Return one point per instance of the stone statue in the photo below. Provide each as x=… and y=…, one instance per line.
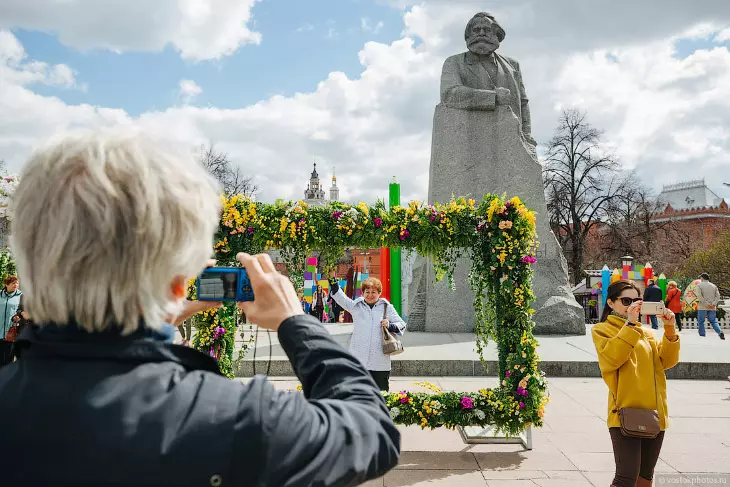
x=482, y=143
x=481, y=79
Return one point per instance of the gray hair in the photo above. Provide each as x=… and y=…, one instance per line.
x=104, y=222
x=501, y=34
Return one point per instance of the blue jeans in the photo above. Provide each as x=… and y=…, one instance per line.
x=654, y=322
x=712, y=316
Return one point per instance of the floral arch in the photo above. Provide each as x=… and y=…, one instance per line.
x=497, y=234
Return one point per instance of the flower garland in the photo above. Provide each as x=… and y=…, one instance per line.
x=497, y=234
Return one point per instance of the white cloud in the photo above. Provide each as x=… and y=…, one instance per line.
x=723, y=36
x=189, y=89
x=15, y=68
x=305, y=28
x=666, y=116
x=367, y=27
x=332, y=33
x=199, y=29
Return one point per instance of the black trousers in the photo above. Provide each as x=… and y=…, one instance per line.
x=6, y=349
x=381, y=378
x=635, y=457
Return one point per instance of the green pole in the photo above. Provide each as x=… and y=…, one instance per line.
x=395, y=277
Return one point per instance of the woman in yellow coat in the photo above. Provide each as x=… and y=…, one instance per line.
x=632, y=363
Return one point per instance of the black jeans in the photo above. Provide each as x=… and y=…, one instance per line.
x=634, y=457
x=381, y=378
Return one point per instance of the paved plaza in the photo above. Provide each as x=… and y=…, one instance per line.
x=573, y=449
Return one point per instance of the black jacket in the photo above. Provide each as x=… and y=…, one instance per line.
x=100, y=409
x=653, y=294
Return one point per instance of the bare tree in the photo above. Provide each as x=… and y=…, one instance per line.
x=581, y=179
x=631, y=228
x=231, y=178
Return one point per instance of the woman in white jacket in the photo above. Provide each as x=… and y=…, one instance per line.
x=367, y=336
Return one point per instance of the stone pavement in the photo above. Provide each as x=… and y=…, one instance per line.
x=454, y=354
x=573, y=449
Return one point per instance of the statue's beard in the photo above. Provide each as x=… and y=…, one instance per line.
x=483, y=45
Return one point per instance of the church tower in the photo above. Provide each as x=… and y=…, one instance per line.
x=314, y=194
x=334, y=190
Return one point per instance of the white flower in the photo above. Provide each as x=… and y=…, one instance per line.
x=394, y=412
x=480, y=414
x=436, y=405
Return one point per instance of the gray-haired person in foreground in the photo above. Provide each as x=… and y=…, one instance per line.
x=108, y=228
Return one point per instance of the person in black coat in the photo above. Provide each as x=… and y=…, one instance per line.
x=98, y=397
x=653, y=294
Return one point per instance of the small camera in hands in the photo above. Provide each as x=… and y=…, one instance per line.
x=224, y=284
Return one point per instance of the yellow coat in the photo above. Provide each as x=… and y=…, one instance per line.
x=629, y=367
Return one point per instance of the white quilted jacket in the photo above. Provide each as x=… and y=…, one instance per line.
x=366, y=343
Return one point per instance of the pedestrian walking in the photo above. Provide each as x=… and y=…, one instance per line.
x=653, y=294
x=708, y=296
x=674, y=302
x=9, y=302
x=632, y=362
x=367, y=335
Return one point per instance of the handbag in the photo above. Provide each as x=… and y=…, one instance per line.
x=391, y=345
x=639, y=422
x=12, y=334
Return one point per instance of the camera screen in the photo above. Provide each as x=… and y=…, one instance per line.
x=218, y=285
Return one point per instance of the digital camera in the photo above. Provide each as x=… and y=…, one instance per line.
x=652, y=308
x=224, y=284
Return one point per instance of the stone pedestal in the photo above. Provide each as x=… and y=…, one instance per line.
x=475, y=152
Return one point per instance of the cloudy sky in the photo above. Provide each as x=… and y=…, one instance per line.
x=352, y=84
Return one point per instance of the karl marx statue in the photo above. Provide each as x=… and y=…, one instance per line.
x=482, y=79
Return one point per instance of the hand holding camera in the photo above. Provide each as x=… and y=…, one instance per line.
x=276, y=299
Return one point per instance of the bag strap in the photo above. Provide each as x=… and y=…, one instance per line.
x=385, y=310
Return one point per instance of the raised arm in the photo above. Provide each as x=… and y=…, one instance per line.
x=339, y=431
x=343, y=300
x=614, y=351
x=455, y=94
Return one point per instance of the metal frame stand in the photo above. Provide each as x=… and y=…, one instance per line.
x=486, y=435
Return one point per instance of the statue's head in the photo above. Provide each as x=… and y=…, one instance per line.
x=483, y=34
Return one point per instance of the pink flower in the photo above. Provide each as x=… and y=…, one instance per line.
x=528, y=259
x=378, y=222
x=404, y=234
x=336, y=215
x=250, y=230
x=403, y=400
x=432, y=217
x=507, y=374
x=522, y=405
x=466, y=402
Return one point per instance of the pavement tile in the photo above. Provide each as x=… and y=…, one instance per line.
x=530, y=460
x=577, y=482
x=410, y=460
x=413, y=438
x=688, y=443
x=374, y=483
x=511, y=483
x=564, y=474
x=434, y=478
x=702, y=461
x=600, y=479
x=580, y=424
x=580, y=442
x=521, y=474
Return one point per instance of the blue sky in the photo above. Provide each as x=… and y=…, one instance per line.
x=302, y=43
x=657, y=82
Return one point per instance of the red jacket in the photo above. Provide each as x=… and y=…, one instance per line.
x=673, y=301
